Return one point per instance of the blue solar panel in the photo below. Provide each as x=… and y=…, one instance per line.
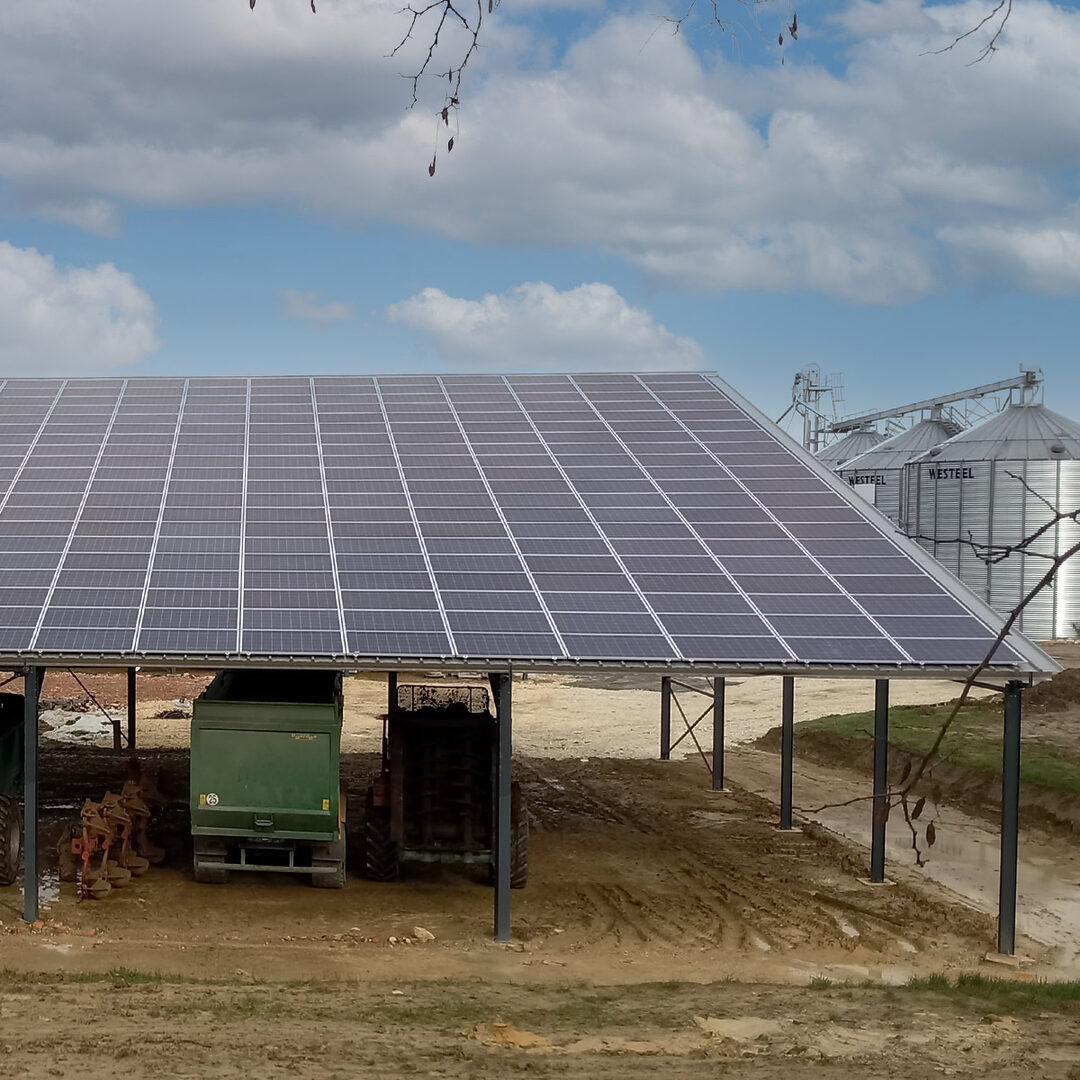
x=552, y=519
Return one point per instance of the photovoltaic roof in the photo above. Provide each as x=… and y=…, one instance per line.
x=531, y=519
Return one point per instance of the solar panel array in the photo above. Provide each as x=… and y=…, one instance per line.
x=544, y=518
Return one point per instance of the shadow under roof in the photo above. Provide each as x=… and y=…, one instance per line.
x=482, y=521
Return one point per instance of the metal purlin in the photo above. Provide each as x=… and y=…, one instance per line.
x=160, y=518
x=329, y=521
x=685, y=522
x=78, y=517
x=416, y=521
x=777, y=522
x=502, y=518
x=243, y=522
x=596, y=525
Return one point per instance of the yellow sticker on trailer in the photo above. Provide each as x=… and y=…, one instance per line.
x=326, y=804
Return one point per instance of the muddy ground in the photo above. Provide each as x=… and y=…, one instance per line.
x=476, y=1029
x=664, y=927
x=637, y=872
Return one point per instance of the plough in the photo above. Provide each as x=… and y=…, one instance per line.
x=111, y=844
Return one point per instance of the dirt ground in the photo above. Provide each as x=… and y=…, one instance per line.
x=476, y=1029
x=637, y=872
x=664, y=927
x=554, y=715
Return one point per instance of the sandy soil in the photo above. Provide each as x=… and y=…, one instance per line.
x=662, y=928
x=637, y=872
x=474, y=1029
x=554, y=715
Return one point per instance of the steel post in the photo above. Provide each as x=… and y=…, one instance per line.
x=1010, y=818
x=881, y=781
x=787, y=751
x=665, y=718
x=31, y=692
x=131, y=708
x=391, y=692
x=502, y=686
x=718, y=735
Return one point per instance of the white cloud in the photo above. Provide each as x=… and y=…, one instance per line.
x=535, y=325
x=56, y=321
x=1038, y=258
x=93, y=215
x=872, y=18
x=310, y=307
x=859, y=183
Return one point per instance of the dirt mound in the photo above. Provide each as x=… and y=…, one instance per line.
x=1062, y=692
x=943, y=782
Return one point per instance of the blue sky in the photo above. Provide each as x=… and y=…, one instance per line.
x=215, y=190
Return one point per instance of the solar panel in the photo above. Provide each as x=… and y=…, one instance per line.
x=545, y=519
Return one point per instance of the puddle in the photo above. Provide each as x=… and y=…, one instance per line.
x=48, y=888
x=965, y=859
x=80, y=729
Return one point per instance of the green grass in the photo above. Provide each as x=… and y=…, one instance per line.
x=10, y=976
x=973, y=741
x=1007, y=994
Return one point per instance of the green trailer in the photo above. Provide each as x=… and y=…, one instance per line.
x=11, y=786
x=266, y=775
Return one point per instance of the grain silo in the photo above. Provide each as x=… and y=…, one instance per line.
x=994, y=485
x=878, y=474
x=850, y=446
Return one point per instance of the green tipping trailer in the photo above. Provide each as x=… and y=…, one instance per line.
x=11, y=786
x=266, y=776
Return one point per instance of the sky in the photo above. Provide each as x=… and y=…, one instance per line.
x=199, y=188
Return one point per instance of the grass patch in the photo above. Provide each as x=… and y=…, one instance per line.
x=1006, y=994
x=973, y=741
x=10, y=976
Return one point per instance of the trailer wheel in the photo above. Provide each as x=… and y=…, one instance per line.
x=380, y=851
x=206, y=871
x=10, y=839
x=519, y=838
x=332, y=855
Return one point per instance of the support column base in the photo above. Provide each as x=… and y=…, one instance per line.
x=780, y=828
x=876, y=884
x=1008, y=960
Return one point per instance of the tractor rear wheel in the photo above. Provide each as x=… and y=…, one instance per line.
x=329, y=855
x=10, y=839
x=519, y=838
x=380, y=851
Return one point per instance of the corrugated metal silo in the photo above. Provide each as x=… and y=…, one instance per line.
x=850, y=446
x=878, y=474
x=995, y=484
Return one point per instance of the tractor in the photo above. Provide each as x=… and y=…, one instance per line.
x=11, y=786
x=433, y=800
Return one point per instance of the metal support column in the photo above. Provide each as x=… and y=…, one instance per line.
x=718, y=686
x=665, y=718
x=787, y=751
x=131, y=708
x=881, y=781
x=31, y=692
x=391, y=692
x=502, y=688
x=1010, y=818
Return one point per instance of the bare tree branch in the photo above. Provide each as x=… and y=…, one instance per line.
x=1001, y=11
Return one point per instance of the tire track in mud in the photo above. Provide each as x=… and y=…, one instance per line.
x=724, y=878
